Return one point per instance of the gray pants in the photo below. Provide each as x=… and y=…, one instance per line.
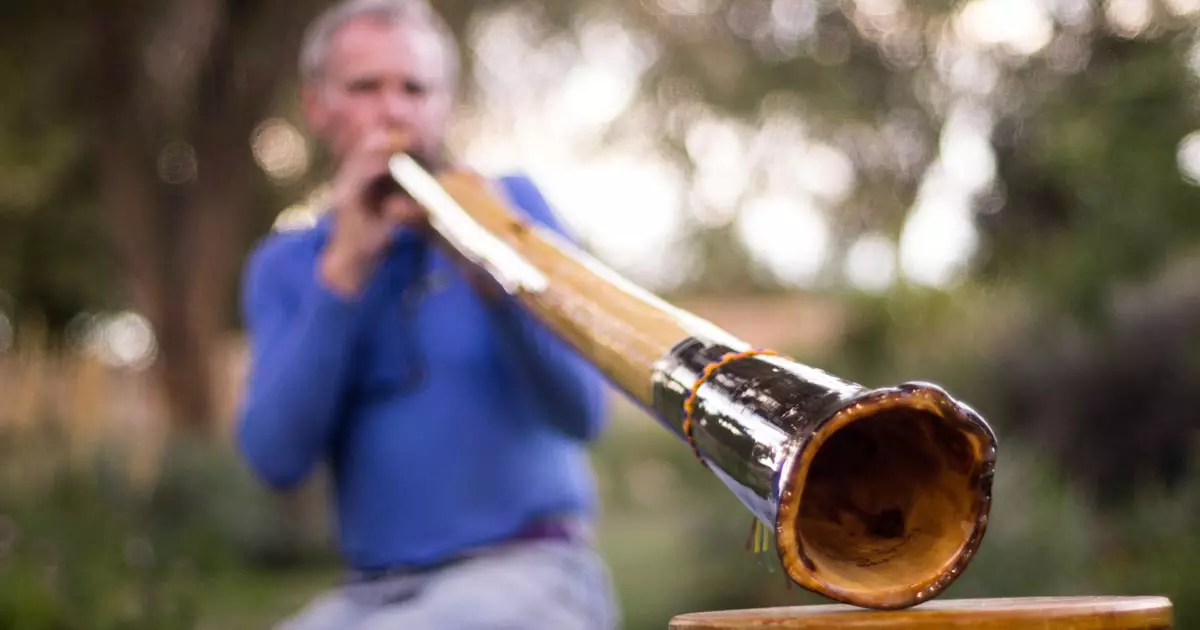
x=526, y=586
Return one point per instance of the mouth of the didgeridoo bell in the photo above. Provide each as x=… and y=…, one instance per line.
x=888, y=501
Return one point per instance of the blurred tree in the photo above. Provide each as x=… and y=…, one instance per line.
x=1093, y=194
x=136, y=118
x=1060, y=136
x=131, y=142
x=1099, y=227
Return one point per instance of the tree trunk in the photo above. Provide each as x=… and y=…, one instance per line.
x=178, y=174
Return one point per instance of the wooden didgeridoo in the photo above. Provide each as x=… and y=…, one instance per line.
x=877, y=498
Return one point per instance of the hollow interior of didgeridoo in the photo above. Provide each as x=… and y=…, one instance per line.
x=887, y=504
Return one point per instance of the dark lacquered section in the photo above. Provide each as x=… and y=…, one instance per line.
x=750, y=415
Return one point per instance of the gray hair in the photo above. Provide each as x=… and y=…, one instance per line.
x=314, y=52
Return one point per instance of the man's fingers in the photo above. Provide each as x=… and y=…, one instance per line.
x=400, y=209
x=364, y=186
x=379, y=192
x=369, y=159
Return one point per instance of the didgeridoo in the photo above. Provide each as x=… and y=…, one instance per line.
x=877, y=498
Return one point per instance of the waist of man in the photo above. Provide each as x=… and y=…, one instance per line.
x=566, y=528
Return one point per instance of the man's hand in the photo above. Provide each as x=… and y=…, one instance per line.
x=367, y=207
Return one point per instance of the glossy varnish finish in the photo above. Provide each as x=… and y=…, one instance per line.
x=877, y=498
x=1030, y=613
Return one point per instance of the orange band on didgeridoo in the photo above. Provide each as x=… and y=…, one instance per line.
x=689, y=405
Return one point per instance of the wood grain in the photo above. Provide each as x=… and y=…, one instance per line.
x=1022, y=613
x=619, y=327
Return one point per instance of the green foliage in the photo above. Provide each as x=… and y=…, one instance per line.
x=1041, y=538
x=1109, y=404
x=1154, y=549
x=1093, y=194
x=79, y=552
x=83, y=546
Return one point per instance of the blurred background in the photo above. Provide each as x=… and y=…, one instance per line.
x=1002, y=196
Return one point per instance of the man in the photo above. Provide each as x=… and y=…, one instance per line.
x=454, y=425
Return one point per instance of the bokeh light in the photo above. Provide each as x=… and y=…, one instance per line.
x=1193, y=57
x=720, y=151
x=177, y=163
x=689, y=8
x=280, y=150
x=1188, y=157
x=1020, y=27
x=630, y=226
x=871, y=263
x=939, y=236
x=121, y=340
x=825, y=172
x=965, y=150
x=129, y=340
x=1183, y=8
x=1128, y=18
x=788, y=235
x=7, y=334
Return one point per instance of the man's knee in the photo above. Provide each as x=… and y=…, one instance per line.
x=538, y=587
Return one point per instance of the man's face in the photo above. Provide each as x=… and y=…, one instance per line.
x=380, y=75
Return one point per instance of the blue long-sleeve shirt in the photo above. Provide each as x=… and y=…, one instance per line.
x=448, y=421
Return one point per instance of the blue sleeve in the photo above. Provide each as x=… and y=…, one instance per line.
x=572, y=391
x=300, y=337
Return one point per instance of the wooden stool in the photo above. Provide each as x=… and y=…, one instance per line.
x=1021, y=613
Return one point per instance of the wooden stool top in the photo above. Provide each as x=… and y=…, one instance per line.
x=1040, y=613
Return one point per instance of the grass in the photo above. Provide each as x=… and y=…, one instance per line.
x=257, y=600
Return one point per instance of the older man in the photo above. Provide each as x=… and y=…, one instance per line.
x=455, y=427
